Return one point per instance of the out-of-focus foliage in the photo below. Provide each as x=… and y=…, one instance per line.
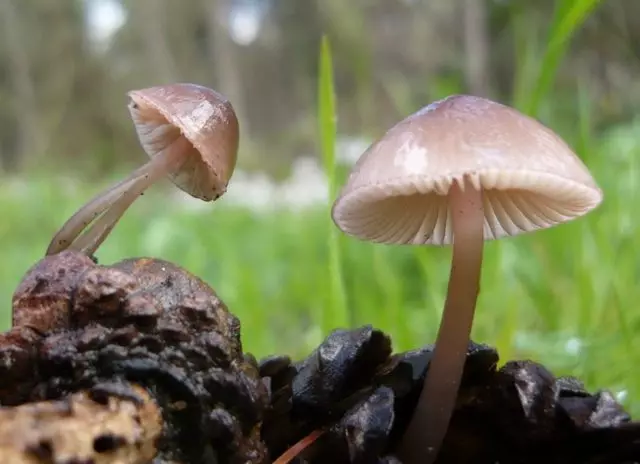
x=62, y=90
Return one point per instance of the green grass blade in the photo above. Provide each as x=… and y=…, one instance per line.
x=526, y=53
x=327, y=114
x=336, y=313
x=569, y=16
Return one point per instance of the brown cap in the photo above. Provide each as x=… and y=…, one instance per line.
x=205, y=118
x=531, y=179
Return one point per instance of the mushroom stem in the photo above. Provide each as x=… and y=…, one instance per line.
x=113, y=202
x=433, y=412
x=95, y=235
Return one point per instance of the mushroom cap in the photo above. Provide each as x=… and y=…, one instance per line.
x=397, y=192
x=205, y=118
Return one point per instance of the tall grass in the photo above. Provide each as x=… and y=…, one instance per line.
x=568, y=17
x=565, y=296
x=335, y=313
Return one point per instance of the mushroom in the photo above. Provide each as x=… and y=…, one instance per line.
x=190, y=134
x=460, y=171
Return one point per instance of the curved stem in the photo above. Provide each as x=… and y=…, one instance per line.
x=428, y=426
x=118, y=196
x=95, y=235
x=88, y=212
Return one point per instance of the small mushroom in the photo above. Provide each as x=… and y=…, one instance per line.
x=460, y=171
x=191, y=135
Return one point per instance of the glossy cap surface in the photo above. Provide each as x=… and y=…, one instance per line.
x=398, y=190
x=205, y=118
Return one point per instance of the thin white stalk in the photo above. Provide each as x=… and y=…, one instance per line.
x=113, y=202
x=95, y=235
x=430, y=421
x=89, y=212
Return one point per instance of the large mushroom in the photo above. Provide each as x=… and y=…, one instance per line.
x=460, y=171
x=190, y=134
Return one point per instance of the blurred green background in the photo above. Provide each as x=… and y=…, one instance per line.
x=566, y=297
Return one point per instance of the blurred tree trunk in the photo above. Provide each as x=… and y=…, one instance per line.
x=476, y=47
x=153, y=27
x=223, y=61
x=25, y=111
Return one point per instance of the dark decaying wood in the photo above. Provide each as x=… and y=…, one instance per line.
x=144, y=360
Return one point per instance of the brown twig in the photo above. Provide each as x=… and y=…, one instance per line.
x=298, y=448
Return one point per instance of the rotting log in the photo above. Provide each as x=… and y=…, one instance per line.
x=144, y=321
x=83, y=327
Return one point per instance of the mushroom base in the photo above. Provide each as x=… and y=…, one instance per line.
x=79, y=326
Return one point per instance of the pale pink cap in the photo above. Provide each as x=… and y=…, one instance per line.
x=165, y=114
x=398, y=190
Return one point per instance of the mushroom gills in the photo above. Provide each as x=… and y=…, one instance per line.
x=424, y=218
